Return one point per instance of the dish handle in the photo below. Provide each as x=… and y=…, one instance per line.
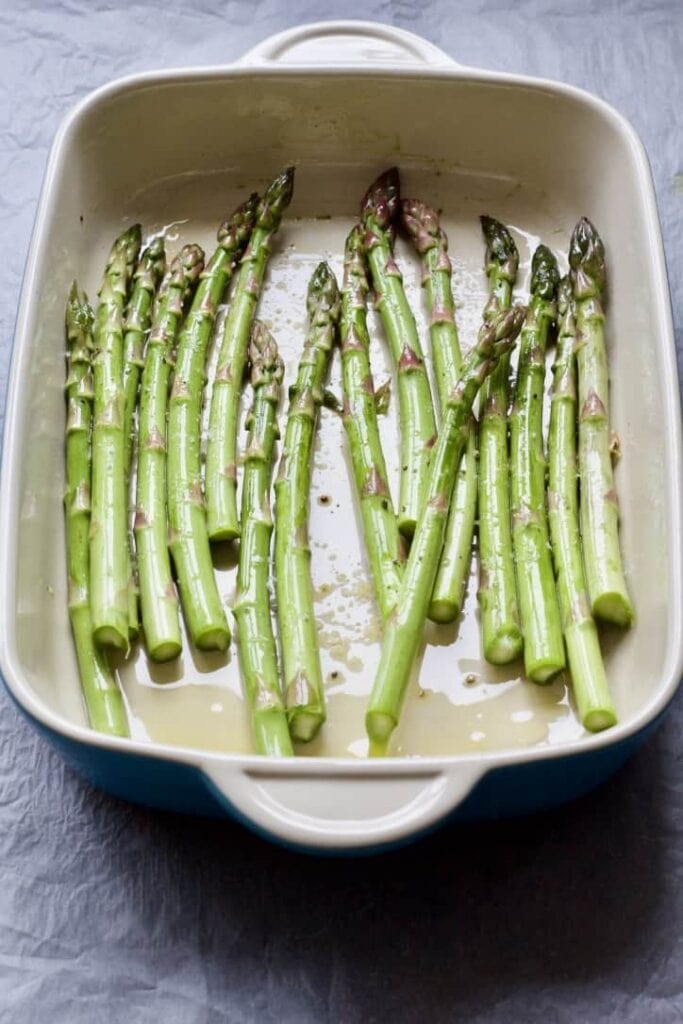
x=346, y=44
x=357, y=806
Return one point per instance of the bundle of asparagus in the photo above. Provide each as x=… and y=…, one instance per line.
x=547, y=561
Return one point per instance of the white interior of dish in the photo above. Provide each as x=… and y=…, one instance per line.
x=178, y=156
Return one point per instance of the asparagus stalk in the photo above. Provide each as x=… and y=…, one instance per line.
x=502, y=638
x=382, y=539
x=538, y=607
x=304, y=693
x=221, y=469
x=158, y=598
x=109, y=550
x=591, y=691
x=416, y=414
x=256, y=642
x=148, y=273
x=422, y=225
x=404, y=627
x=137, y=320
x=188, y=540
x=599, y=509
x=103, y=700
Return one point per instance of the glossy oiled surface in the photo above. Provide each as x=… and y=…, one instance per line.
x=114, y=913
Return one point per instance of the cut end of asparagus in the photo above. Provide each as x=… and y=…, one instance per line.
x=614, y=607
x=421, y=224
x=598, y=719
x=215, y=639
x=382, y=199
x=276, y=199
x=110, y=636
x=443, y=611
x=305, y=723
x=504, y=647
x=322, y=300
x=587, y=261
x=545, y=275
x=501, y=251
x=165, y=651
x=379, y=727
x=233, y=234
x=543, y=672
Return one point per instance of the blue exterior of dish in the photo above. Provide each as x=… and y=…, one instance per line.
x=507, y=791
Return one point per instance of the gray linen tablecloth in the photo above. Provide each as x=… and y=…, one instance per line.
x=113, y=914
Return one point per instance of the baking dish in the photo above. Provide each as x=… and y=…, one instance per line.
x=343, y=100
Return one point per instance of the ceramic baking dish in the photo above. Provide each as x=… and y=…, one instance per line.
x=342, y=101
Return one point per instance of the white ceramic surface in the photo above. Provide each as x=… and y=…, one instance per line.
x=343, y=101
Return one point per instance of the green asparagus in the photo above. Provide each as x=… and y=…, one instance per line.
x=404, y=628
x=416, y=414
x=188, y=540
x=589, y=682
x=255, y=639
x=422, y=225
x=538, y=609
x=103, y=700
x=599, y=509
x=221, y=467
x=502, y=637
x=382, y=539
x=158, y=598
x=304, y=693
x=148, y=272
x=109, y=550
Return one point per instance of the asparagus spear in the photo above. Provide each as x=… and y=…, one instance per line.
x=416, y=415
x=188, y=540
x=599, y=510
x=256, y=643
x=422, y=224
x=382, y=539
x=502, y=638
x=404, y=627
x=158, y=598
x=109, y=551
x=589, y=682
x=304, y=693
x=103, y=700
x=221, y=476
x=148, y=273
x=538, y=608
x=137, y=319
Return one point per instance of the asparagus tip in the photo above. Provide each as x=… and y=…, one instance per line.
x=266, y=364
x=421, y=222
x=500, y=245
x=235, y=230
x=323, y=293
x=381, y=201
x=156, y=248
x=545, y=275
x=188, y=264
x=276, y=199
x=587, y=260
